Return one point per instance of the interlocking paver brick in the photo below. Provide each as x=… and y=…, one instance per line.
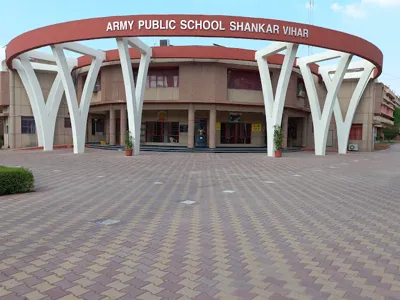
x=118, y=285
x=21, y=276
x=56, y=293
x=22, y=289
x=35, y=295
x=122, y=277
x=113, y=293
x=78, y=290
x=153, y=288
x=166, y=294
x=52, y=279
x=328, y=234
x=4, y=292
x=43, y=287
x=98, y=288
x=9, y=284
x=185, y=291
x=149, y=296
x=69, y=297
x=64, y=284
x=91, y=296
x=189, y=283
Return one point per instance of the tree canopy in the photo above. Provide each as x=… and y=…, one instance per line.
x=396, y=116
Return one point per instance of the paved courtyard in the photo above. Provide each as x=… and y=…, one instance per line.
x=300, y=227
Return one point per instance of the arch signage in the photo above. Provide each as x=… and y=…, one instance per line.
x=207, y=25
x=194, y=26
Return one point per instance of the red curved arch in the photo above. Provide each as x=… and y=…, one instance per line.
x=96, y=28
x=200, y=52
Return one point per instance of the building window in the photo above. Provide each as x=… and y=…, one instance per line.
x=97, y=127
x=161, y=78
x=28, y=125
x=244, y=80
x=235, y=133
x=67, y=122
x=162, y=132
x=301, y=88
x=97, y=85
x=356, y=132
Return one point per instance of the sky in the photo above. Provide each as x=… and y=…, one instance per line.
x=374, y=20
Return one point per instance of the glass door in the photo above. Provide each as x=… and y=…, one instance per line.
x=200, y=133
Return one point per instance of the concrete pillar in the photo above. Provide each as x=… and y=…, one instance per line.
x=122, y=128
x=191, y=126
x=89, y=129
x=304, y=134
x=285, y=121
x=112, y=126
x=211, y=131
x=11, y=115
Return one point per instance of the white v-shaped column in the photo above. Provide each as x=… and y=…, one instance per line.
x=274, y=105
x=134, y=93
x=343, y=124
x=44, y=112
x=321, y=121
x=78, y=111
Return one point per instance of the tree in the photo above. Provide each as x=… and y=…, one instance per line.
x=391, y=132
x=396, y=116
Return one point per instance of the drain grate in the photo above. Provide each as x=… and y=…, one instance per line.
x=106, y=222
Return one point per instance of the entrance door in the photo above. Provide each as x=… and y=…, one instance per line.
x=200, y=133
x=294, y=138
x=117, y=131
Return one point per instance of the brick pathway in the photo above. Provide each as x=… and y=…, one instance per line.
x=300, y=227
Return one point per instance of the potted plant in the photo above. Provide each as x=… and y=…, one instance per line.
x=278, y=139
x=128, y=144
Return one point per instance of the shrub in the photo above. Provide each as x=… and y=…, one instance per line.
x=396, y=116
x=15, y=180
x=278, y=137
x=391, y=132
x=129, y=141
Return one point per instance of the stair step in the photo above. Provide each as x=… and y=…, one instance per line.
x=185, y=149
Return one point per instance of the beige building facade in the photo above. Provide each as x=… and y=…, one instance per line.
x=190, y=103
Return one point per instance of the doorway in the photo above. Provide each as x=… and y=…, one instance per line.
x=118, y=131
x=294, y=133
x=200, y=133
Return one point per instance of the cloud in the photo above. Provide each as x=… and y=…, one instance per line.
x=354, y=11
x=383, y=3
x=336, y=7
x=357, y=10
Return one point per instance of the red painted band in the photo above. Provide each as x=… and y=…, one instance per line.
x=89, y=29
x=189, y=52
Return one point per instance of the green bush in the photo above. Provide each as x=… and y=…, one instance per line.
x=278, y=137
x=391, y=132
x=396, y=116
x=15, y=180
x=129, y=141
